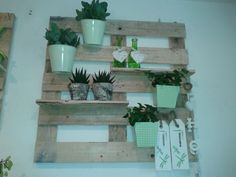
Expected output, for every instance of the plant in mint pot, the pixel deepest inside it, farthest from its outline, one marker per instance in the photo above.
(93, 20)
(144, 119)
(62, 46)
(167, 86)
(79, 85)
(102, 86)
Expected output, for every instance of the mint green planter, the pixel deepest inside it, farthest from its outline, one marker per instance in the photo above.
(93, 31)
(146, 134)
(61, 57)
(167, 96)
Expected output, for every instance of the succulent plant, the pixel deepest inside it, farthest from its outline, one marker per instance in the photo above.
(103, 76)
(168, 78)
(80, 76)
(61, 36)
(142, 113)
(95, 10)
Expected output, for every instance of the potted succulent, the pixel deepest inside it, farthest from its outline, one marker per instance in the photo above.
(79, 85)
(5, 166)
(62, 47)
(93, 20)
(144, 119)
(167, 86)
(102, 86)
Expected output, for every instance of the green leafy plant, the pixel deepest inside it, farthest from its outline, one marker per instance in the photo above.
(80, 76)
(168, 78)
(2, 56)
(5, 166)
(103, 76)
(58, 35)
(95, 10)
(142, 113)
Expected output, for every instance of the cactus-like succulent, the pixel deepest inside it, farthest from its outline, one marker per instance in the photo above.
(95, 10)
(58, 35)
(104, 77)
(80, 76)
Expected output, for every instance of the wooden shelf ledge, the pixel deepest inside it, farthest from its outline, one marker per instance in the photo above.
(78, 102)
(140, 70)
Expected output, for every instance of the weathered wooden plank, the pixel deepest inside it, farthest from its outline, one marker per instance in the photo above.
(2, 80)
(6, 41)
(7, 20)
(51, 95)
(82, 120)
(129, 28)
(177, 43)
(119, 96)
(152, 55)
(117, 133)
(47, 133)
(92, 152)
(79, 112)
(79, 102)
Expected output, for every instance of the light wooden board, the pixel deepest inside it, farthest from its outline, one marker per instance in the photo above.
(152, 55)
(7, 19)
(130, 28)
(92, 152)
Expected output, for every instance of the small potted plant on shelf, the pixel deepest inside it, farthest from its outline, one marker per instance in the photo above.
(93, 21)
(5, 166)
(79, 85)
(102, 86)
(62, 47)
(144, 119)
(167, 86)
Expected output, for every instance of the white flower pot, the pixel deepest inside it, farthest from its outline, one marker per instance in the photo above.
(61, 57)
(93, 31)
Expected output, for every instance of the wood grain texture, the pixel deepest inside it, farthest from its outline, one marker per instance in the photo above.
(92, 152)
(117, 133)
(152, 55)
(7, 20)
(129, 28)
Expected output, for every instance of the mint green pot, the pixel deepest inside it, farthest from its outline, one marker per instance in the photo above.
(146, 134)
(93, 31)
(61, 57)
(167, 96)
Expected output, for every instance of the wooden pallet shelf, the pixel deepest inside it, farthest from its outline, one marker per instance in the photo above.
(54, 111)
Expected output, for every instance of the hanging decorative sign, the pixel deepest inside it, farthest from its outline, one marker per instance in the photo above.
(120, 54)
(178, 141)
(137, 56)
(193, 146)
(162, 149)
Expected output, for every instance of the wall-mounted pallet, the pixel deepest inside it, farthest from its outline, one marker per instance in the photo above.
(54, 111)
(7, 24)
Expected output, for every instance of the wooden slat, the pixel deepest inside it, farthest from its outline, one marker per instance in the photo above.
(177, 43)
(92, 152)
(129, 28)
(152, 55)
(7, 20)
(117, 133)
(47, 133)
(79, 102)
(5, 41)
(2, 80)
(81, 120)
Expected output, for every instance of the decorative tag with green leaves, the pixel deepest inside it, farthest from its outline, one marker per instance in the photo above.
(179, 151)
(162, 149)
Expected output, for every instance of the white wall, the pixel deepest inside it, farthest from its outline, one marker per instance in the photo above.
(211, 45)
